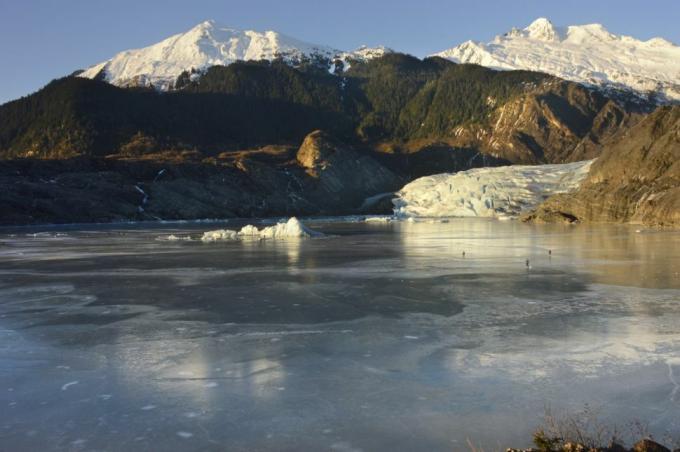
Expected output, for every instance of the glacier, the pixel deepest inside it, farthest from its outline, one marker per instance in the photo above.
(498, 192)
(210, 44)
(292, 228)
(587, 54)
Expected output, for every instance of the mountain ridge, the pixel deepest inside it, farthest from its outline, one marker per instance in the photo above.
(211, 44)
(587, 54)
(396, 103)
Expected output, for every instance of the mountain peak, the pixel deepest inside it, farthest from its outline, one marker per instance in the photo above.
(542, 29)
(588, 54)
(210, 44)
(207, 24)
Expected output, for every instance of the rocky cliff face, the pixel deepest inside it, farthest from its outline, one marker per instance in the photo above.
(636, 179)
(556, 122)
(339, 174)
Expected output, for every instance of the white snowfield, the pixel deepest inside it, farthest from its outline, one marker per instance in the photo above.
(587, 54)
(209, 44)
(292, 228)
(502, 192)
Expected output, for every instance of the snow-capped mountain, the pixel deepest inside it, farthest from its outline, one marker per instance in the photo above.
(209, 44)
(587, 54)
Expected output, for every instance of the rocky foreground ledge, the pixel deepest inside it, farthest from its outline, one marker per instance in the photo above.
(555, 445)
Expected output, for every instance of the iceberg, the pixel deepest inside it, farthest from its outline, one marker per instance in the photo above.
(218, 235)
(499, 192)
(293, 228)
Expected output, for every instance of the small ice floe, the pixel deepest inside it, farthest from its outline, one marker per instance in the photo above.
(379, 219)
(219, 235)
(185, 435)
(292, 228)
(49, 235)
(210, 384)
(174, 238)
(148, 407)
(412, 338)
(69, 384)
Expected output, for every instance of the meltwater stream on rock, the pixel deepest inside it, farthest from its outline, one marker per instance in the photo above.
(381, 336)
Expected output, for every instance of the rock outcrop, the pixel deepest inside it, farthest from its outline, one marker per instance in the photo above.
(636, 179)
(339, 174)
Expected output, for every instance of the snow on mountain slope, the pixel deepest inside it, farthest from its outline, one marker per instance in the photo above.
(501, 192)
(209, 44)
(587, 54)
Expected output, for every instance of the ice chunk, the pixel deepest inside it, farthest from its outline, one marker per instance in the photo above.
(249, 230)
(219, 234)
(502, 192)
(292, 228)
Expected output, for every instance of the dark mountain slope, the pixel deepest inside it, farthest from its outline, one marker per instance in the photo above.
(75, 116)
(395, 102)
(636, 179)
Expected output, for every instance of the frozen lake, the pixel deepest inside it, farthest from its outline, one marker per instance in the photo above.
(378, 337)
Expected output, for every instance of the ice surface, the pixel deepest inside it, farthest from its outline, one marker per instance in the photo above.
(293, 228)
(586, 53)
(501, 192)
(384, 338)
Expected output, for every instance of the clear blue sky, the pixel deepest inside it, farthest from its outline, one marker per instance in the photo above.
(45, 39)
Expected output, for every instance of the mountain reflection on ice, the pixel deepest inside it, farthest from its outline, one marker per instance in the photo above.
(382, 336)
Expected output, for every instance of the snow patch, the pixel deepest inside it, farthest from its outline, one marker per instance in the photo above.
(501, 192)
